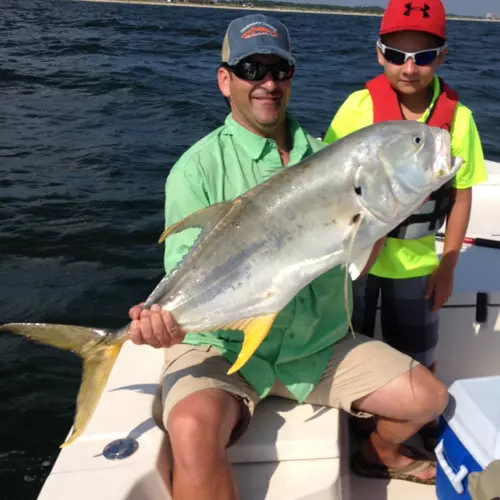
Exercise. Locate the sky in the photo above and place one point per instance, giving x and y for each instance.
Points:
(459, 7)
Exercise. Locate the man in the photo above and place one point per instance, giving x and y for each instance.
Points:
(308, 355)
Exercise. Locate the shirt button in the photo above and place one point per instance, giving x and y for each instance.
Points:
(291, 335)
(301, 300)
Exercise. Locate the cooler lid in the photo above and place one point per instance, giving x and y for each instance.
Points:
(473, 414)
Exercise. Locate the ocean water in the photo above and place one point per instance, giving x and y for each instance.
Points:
(97, 101)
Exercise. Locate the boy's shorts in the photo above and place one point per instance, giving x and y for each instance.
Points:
(358, 366)
(408, 322)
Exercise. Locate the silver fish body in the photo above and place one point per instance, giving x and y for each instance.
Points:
(276, 238)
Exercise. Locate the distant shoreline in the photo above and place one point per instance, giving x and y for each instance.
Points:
(271, 9)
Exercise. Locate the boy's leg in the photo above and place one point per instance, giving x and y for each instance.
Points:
(367, 377)
(411, 326)
(408, 322)
(204, 411)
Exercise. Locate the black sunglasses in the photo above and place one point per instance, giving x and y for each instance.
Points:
(399, 57)
(254, 71)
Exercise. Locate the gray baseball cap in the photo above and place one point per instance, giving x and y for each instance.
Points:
(256, 34)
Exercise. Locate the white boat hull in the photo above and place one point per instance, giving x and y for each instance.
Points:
(290, 452)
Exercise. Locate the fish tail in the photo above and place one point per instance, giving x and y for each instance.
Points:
(93, 346)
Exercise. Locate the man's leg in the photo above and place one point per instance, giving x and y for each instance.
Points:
(367, 377)
(204, 411)
(402, 407)
(200, 427)
(411, 326)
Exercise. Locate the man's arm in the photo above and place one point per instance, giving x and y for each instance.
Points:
(184, 195)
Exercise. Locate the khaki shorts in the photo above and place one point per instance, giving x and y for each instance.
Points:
(358, 367)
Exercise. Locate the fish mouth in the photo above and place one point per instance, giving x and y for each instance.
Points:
(447, 165)
(373, 213)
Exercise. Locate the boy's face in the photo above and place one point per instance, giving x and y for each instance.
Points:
(409, 78)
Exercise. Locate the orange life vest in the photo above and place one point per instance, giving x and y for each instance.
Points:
(432, 215)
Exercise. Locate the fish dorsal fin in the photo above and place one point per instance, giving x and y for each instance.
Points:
(205, 218)
(255, 331)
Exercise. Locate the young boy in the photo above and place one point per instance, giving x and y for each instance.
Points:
(413, 283)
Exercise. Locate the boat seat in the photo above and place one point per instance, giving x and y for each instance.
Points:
(283, 430)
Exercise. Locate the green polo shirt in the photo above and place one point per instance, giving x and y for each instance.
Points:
(414, 258)
(223, 165)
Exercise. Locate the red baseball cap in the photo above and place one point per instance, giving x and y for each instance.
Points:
(428, 16)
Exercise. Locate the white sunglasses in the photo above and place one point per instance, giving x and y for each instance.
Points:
(420, 58)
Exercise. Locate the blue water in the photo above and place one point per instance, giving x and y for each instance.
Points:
(97, 102)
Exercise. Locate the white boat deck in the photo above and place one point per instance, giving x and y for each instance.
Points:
(290, 452)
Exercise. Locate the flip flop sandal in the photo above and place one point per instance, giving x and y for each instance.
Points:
(362, 467)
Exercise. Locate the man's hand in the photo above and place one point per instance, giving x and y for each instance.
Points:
(154, 327)
(440, 283)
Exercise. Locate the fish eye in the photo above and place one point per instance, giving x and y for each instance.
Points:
(358, 190)
(417, 140)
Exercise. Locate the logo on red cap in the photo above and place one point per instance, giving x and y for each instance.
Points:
(428, 16)
(409, 8)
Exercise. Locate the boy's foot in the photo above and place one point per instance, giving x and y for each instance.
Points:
(409, 465)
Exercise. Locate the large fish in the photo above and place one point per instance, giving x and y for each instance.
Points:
(255, 253)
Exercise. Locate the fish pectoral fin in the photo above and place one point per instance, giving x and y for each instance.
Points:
(356, 267)
(67, 337)
(347, 248)
(97, 366)
(255, 331)
(205, 218)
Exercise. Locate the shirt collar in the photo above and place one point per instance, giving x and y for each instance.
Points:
(254, 144)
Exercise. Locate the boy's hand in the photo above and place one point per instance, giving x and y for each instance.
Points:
(154, 327)
(440, 284)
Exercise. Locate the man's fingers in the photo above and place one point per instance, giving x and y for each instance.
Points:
(177, 333)
(135, 312)
(147, 329)
(154, 327)
(135, 332)
(161, 334)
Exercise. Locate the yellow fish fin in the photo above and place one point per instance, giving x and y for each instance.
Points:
(97, 366)
(255, 331)
(98, 360)
(67, 337)
(205, 218)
